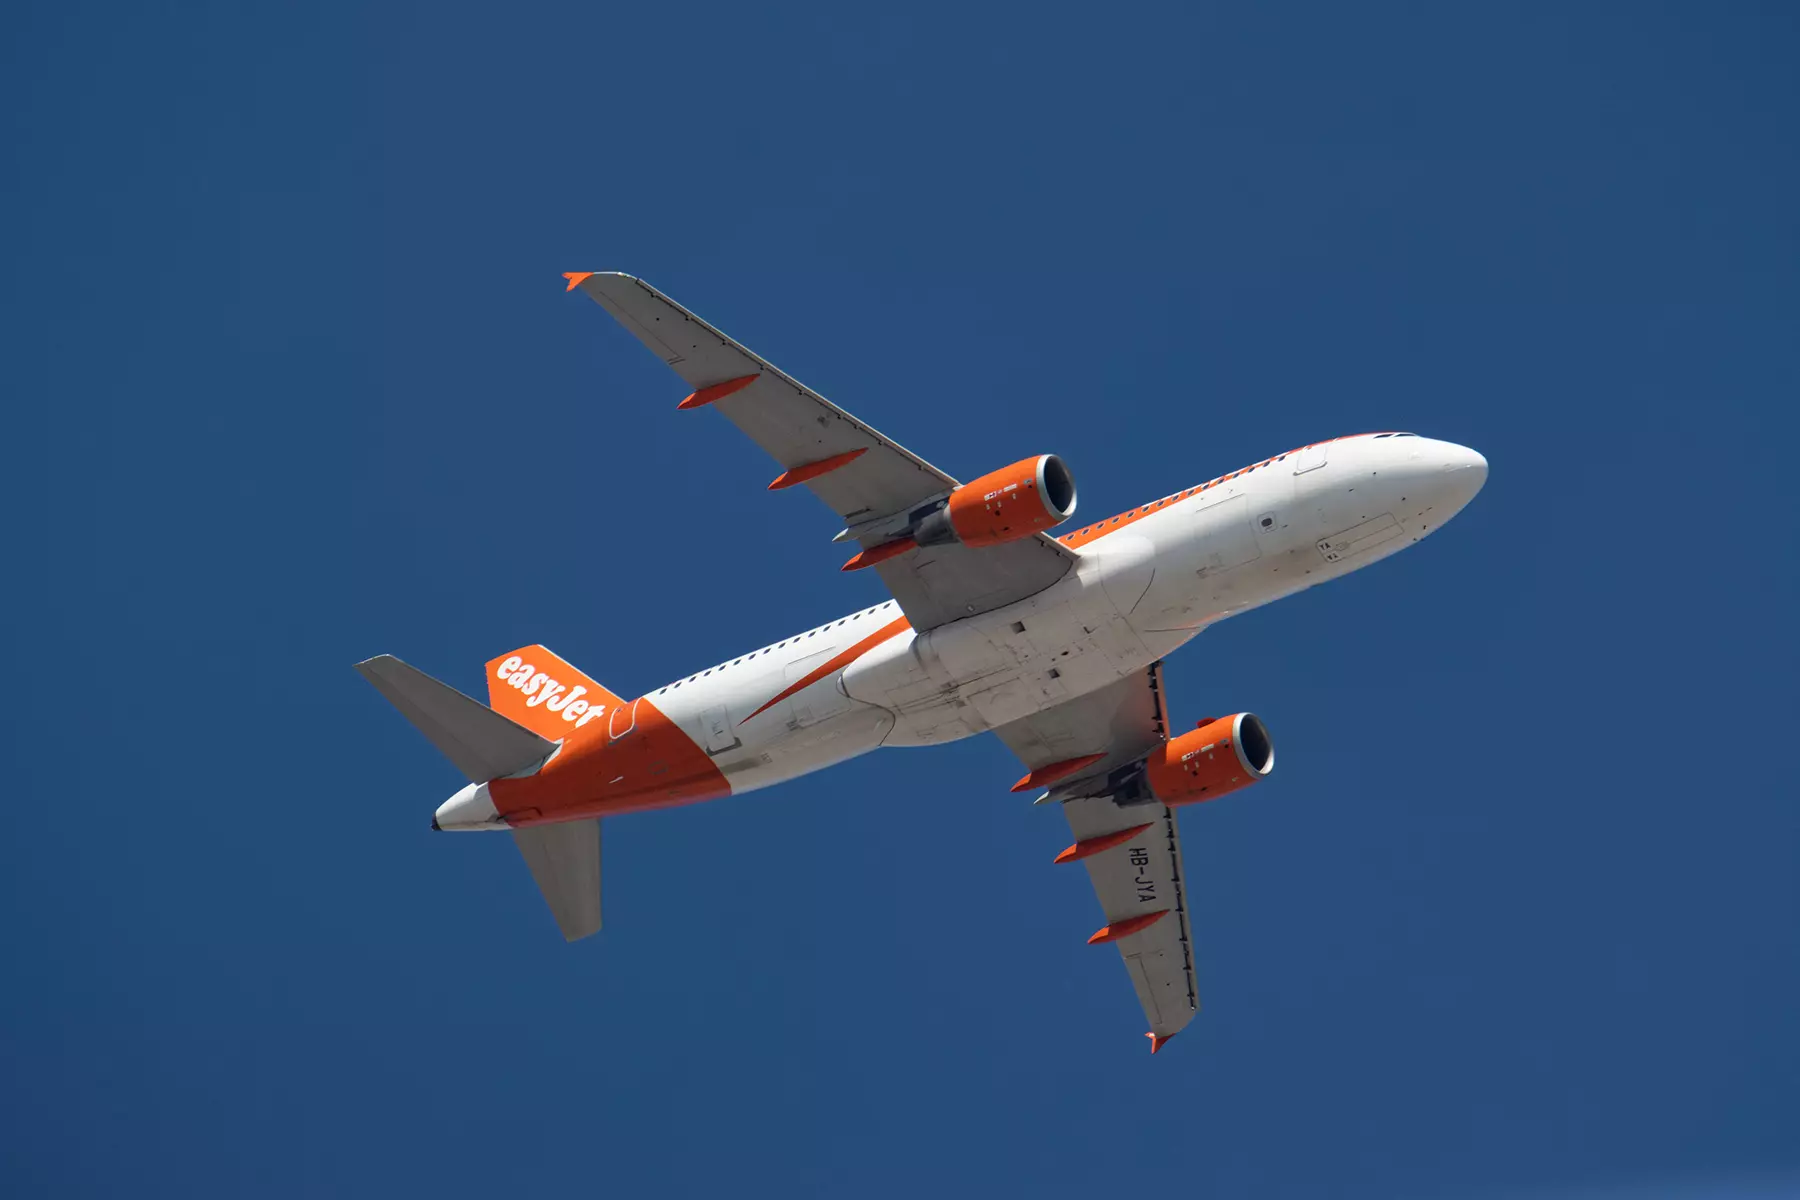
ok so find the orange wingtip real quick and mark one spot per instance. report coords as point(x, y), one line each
point(718, 391)
point(1125, 928)
point(879, 554)
point(575, 278)
point(1158, 1040)
point(1089, 847)
point(813, 470)
point(1051, 772)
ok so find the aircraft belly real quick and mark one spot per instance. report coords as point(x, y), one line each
point(992, 669)
point(854, 730)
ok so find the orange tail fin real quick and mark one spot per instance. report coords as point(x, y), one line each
point(545, 694)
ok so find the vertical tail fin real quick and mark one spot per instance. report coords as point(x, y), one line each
point(543, 693)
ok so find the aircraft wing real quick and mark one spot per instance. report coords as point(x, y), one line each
point(863, 476)
point(1132, 852)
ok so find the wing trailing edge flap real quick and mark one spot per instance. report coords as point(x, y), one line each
point(565, 861)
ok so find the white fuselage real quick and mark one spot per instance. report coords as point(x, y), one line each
point(1145, 583)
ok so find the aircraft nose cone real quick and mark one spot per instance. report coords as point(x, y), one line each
point(1461, 458)
point(1468, 464)
point(1461, 473)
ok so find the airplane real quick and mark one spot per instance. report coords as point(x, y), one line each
point(1055, 644)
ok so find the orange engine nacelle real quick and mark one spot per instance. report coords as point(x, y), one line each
point(1003, 506)
point(1222, 755)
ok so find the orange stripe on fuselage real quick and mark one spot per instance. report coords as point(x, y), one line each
point(1100, 529)
point(837, 662)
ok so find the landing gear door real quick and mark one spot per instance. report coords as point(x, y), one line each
point(1309, 459)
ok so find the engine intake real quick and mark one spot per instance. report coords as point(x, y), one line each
point(1003, 506)
point(1223, 755)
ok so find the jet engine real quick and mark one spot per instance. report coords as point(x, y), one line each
point(1003, 506)
point(1221, 755)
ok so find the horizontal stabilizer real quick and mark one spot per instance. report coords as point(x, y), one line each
point(565, 861)
point(483, 744)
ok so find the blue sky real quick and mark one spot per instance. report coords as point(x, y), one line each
point(291, 381)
